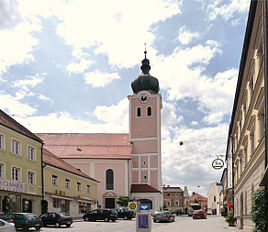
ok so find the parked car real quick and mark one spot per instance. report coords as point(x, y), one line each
point(6, 217)
point(6, 226)
point(26, 220)
point(163, 216)
point(56, 219)
point(125, 213)
point(190, 213)
point(101, 214)
point(199, 214)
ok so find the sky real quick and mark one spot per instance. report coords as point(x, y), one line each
point(67, 66)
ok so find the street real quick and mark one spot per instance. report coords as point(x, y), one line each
point(182, 223)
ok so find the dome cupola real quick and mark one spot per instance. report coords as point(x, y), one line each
point(145, 81)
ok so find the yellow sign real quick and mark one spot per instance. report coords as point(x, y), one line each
point(132, 205)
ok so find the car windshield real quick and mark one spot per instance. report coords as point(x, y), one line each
point(198, 211)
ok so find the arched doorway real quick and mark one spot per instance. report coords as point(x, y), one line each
point(146, 201)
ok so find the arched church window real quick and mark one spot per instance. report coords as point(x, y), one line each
point(109, 179)
point(149, 111)
point(138, 112)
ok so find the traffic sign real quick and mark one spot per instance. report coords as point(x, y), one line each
point(144, 207)
point(132, 205)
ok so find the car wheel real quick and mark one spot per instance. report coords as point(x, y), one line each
point(86, 218)
point(154, 220)
point(57, 225)
point(129, 218)
point(113, 220)
point(44, 224)
point(68, 225)
point(106, 219)
point(37, 227)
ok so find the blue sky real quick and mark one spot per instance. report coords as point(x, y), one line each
point(67, 66)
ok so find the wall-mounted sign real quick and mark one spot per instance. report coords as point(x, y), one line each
point(132, 205)
point(12, 186)
point(217, 163)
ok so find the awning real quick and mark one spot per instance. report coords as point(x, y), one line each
point(264, 179)
point(64, 198)
point(85, 201)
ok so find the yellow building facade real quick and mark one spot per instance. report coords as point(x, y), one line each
point(20, 168)
point(67, 189)
point(247, 128)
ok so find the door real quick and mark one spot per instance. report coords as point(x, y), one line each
point(109, 203)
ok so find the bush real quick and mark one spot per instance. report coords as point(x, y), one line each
point(259, 210)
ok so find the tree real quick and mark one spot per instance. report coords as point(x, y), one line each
point(123, 201)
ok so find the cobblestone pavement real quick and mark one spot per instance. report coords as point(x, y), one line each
point(182, 224)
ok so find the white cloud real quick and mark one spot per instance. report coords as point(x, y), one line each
point(26, 84)
point(111, 28)
point(194, 123)
point(100, 79)
point(79, 67)
point(45, 98)
point(114, 119)
point(227, 10)
point(185, 36)
point(14, 107)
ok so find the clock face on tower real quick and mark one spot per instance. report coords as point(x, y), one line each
point(143, 98)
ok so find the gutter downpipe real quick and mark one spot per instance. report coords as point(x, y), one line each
point(265, 38)
point(42, 171)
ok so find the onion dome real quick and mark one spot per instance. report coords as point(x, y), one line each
point(145, 81)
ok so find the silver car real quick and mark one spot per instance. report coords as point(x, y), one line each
point(6, 226)
point(163, 216)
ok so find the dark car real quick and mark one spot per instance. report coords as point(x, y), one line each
point(190, 213)
point(26, 220)
point(163, 216)
point(6, 217)
point(101, 214)
point(125, 213)
point(56, 219)
point(199, 214)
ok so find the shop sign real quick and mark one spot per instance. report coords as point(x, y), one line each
point(217, 163)
point(12, 186)
point(132, 205)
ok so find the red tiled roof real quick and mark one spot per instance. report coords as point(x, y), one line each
point(195, 195)
point(54, 161)
point(11, 123)
point(88, 145)
point(142, 188)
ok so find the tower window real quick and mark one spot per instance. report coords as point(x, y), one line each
point(138, 112)
point(149, 111)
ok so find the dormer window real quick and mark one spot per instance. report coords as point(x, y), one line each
point(149, 111)
point(138, 112)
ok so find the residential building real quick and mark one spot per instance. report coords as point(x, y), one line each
point(213, 200)
point(174, 198)
point(246, 138)
point(197, 198)
point(67, 189)
point(20, 167)
point(125, 164)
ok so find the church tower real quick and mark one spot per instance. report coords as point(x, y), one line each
point(145, 136)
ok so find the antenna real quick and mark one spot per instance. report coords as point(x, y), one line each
point(145, 52)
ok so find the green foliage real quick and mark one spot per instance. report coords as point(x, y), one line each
point(123, 201)
point(44, 205)
point(259, 210)
point(230, 218)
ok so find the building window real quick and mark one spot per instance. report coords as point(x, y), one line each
point(2, 142)
point(149, 111)
point(246, 154)
point(145, 177)
point(168, 194)
point(2, 170)
point(176, 194)
point(88, 188)
point(56, 203)
point(168, 203)
point(16, 174)
point(138, 112)
point(177, 203)
point(214, 198)
point(109, 179)
point(31, 153)
point(31, 177)
point(252, 142)
point(54, 180)
point(15, 147)
point(79, 187)
point(67, 183)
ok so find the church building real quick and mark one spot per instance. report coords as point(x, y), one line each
point(124, 164)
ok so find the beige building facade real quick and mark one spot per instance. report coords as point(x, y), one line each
point(214, 199)
point(247, 128)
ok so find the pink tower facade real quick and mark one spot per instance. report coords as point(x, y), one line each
point(145, 136)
